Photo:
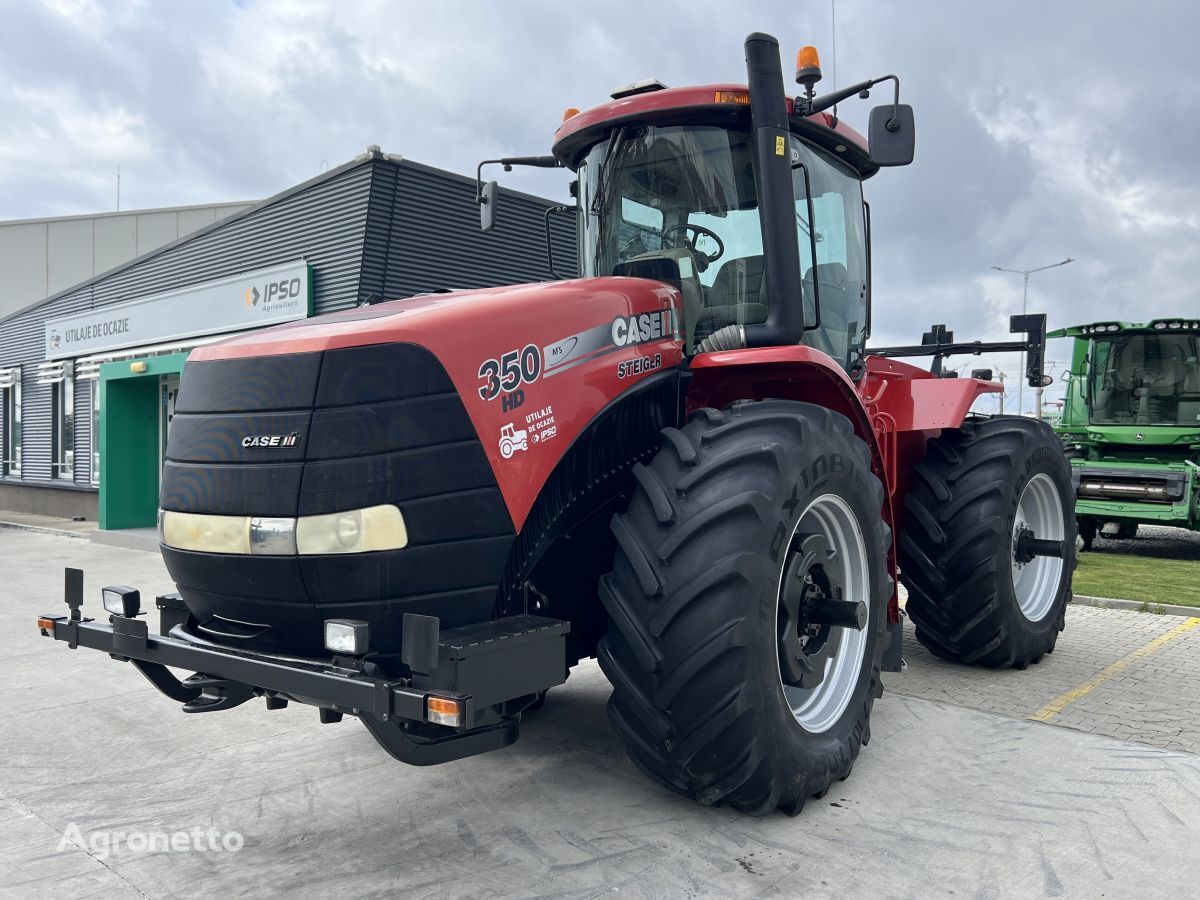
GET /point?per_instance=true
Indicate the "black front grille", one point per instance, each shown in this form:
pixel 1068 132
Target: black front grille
pixel 373 425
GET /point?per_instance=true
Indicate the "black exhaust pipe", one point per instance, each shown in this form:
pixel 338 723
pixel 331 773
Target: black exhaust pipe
pixel 776 200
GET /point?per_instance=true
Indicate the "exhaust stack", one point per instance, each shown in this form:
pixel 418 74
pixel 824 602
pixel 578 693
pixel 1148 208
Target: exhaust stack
pixel 777 202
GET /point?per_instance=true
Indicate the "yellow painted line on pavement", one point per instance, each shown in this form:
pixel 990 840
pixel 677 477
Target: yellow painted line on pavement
pixel 1059 703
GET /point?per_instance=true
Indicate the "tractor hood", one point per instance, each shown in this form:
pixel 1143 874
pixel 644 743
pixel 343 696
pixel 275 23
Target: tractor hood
pixel 454 409
pixel 456 320
pixel 541 358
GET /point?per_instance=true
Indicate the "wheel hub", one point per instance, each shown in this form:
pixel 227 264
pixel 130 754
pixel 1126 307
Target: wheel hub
pixel 822 616
pixel 813 613
pixel 1039 547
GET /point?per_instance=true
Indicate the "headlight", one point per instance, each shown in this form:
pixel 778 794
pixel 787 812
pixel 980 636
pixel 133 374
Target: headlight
pixel 208 534
pixel 356 531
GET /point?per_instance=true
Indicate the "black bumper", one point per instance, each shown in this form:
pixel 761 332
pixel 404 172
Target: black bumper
pixel 492 670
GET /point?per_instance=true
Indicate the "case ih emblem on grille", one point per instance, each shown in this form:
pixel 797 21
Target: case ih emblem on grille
pixel 271 440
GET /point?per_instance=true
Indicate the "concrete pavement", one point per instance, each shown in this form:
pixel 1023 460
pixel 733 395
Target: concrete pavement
pixel 945 800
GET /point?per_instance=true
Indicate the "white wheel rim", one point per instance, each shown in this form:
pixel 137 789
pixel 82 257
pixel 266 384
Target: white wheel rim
pixel 1036 583
pixel 817 709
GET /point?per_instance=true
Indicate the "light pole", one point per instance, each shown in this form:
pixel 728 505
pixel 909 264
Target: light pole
pixel 1025 273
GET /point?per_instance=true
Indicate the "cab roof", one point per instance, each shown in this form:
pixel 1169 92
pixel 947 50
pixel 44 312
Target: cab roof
pixel 720 104
pixel 1174 324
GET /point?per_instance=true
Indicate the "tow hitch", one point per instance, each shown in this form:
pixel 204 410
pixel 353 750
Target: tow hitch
pixel 463 693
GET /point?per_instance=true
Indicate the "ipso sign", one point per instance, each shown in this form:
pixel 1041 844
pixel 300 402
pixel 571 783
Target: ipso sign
pixel 265 297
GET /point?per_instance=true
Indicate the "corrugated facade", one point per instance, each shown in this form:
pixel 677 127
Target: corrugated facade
pixel 41 257
pixel 376 226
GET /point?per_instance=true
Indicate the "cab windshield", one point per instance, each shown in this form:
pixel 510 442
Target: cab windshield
pixel 678 204
pixel 1145 379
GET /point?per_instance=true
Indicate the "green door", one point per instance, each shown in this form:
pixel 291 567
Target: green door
pixel 137 403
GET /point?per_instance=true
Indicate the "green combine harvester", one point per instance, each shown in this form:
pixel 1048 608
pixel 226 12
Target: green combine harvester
pixel 1131 425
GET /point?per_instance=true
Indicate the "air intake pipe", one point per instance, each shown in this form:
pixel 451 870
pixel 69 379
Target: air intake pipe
pixel 776 200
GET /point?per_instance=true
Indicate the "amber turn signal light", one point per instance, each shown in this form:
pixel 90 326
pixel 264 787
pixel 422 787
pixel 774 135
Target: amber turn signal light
pixel 445 710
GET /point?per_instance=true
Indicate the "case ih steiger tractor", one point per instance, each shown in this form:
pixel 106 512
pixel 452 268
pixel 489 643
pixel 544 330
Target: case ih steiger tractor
pixel 1131 421
pixel 685 463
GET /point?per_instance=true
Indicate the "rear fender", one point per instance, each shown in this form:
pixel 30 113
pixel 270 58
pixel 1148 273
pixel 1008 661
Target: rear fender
pixel 795 373
pixel 908 406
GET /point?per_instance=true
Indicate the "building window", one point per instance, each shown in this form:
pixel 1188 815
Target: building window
pixel 95 441
pixel 10 414
pixel 64 425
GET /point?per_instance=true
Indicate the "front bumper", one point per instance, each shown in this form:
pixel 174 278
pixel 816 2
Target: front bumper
pixel 491 671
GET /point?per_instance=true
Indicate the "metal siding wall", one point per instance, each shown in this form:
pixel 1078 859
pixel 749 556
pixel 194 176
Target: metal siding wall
pixel 325 224
pixel 377 244
pixel 436 241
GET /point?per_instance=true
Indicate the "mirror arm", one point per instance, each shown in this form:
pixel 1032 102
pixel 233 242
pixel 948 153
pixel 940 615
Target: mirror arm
pixel 820 104
pixel 540 162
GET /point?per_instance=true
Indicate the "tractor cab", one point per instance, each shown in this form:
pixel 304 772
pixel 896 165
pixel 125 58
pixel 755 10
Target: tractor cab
pixel 679 203
pixel 1126 378
pixel 1145 378
pixel 748 202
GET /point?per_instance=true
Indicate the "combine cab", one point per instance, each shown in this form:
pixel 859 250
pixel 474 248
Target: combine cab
pixel 686 464
pixel 1131 422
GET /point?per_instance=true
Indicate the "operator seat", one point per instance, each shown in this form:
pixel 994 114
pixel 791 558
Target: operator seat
pixel 738 295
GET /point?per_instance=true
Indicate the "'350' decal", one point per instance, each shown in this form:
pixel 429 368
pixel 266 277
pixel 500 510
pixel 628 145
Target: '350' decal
pixel 510 371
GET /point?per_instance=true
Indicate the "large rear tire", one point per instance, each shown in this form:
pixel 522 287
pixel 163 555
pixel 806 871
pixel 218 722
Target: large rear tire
pixel 749 526
pixel 981 494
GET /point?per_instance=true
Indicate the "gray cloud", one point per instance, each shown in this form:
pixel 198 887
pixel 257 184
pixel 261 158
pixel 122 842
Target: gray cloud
pixel 1045 129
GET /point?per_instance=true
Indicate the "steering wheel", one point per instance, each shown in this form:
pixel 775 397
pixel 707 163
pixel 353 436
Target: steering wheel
pixel 703 260
pixel 1146 378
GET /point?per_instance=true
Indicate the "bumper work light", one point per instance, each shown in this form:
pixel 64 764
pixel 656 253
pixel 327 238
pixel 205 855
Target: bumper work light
pixel 349 636
pixel 121 601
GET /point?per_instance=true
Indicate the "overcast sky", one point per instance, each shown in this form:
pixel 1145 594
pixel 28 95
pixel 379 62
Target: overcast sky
pixel 1045 129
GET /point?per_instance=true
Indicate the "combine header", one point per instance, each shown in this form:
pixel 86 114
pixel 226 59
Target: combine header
pixel 685 463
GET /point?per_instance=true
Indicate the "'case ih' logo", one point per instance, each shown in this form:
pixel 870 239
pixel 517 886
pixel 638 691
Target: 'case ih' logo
pixel 271 440
pixel 251 296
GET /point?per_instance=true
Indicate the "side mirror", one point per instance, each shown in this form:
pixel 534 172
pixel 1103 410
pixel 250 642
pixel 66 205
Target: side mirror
pixel 892 135
pixel 487 206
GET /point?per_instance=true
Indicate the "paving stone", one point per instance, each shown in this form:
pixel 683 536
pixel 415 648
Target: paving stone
pixel 1154 699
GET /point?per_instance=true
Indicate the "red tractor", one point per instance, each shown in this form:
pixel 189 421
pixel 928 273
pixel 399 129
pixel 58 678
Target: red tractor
pixel 685 463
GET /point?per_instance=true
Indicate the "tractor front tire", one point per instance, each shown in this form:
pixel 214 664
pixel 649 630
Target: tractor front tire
pixel 973 594
pixel 743 528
